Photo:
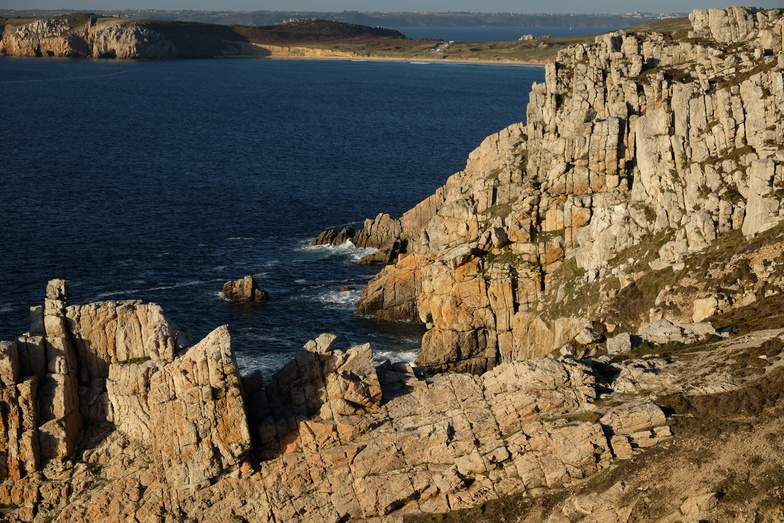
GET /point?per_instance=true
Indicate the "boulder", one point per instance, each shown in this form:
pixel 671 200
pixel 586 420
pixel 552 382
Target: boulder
pixel 664 331
pixel 619 343
pixel 245 289
pixel 588 336
pixel 630 418
pixel 699 504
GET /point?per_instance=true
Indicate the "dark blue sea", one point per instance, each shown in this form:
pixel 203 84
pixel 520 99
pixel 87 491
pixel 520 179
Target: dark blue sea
pixel 162 180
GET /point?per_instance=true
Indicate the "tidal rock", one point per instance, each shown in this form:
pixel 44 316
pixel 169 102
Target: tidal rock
pixel 245 289
pixel 332 237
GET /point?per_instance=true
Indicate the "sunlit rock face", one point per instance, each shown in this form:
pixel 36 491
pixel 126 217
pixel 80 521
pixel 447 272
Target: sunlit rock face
pixel 639 151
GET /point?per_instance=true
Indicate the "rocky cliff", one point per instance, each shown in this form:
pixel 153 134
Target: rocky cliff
pixel 104 416
pixel 87 35
pixel 636 194
pixel 646 184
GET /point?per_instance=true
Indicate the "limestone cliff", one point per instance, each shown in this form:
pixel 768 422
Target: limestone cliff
pixel 647 183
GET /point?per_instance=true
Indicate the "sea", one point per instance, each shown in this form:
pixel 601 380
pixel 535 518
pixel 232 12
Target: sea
pixel 161 180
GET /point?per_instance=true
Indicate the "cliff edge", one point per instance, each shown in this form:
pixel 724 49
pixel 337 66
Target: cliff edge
pixel 647 184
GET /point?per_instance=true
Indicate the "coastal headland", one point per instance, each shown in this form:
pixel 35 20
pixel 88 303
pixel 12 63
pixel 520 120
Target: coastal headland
pixel 602 288
pixel 87 35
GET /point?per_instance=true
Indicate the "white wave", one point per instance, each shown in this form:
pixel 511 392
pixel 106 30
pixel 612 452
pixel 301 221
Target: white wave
pixel 344 298
pixel 5 307
pixel 241 238
pixel 126 292
pixel 267 363
pixel 395 356
pixel 104 295
pixel 347 249
pixel 184 284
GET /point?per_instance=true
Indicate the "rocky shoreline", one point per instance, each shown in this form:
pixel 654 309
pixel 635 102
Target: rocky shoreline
pixel 649 173
pixel 603 292
pixel 106 416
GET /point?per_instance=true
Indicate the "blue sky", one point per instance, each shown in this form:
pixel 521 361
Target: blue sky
pixel 485 6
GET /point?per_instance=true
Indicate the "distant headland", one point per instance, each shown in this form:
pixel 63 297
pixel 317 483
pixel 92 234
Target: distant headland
pixel 117 36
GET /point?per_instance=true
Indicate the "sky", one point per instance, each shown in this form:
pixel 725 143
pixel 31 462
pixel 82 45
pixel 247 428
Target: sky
pixel 484 6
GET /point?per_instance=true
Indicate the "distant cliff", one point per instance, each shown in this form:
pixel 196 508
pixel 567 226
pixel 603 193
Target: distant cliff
pixel 647 183
pixel 86 35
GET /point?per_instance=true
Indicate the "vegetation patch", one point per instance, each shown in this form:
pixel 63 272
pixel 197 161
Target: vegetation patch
pixel 731 154
pixel 767 313
pixel 717 414
pixel 576 295
pixel 517 507
pixel 134 361
pixel 506 256
pixel 500 210
pixel 634 301
pixel 548 236
pixel 674 347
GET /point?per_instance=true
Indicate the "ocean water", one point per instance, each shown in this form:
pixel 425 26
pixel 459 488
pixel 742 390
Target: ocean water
pixel 486 33
pixel 160 181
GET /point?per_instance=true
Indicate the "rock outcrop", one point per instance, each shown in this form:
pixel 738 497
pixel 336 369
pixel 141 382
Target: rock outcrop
pixel 100 401
pixel 82 367
pixel 330 437
pixel 639 151
pixel 642 196
pixel 88 35
pixel 245 289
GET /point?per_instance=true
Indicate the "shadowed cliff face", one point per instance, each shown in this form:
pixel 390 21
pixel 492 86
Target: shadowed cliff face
pixel 81 35
pixel 649 168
